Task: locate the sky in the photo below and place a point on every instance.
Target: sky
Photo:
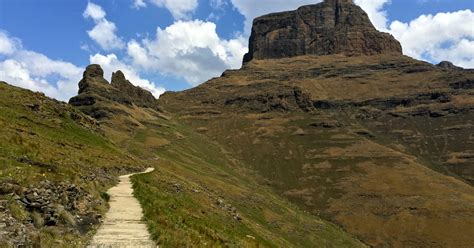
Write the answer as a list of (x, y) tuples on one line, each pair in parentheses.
[(172, 45)]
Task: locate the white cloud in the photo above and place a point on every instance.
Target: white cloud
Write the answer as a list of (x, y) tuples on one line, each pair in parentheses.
[(137, 4), (375, 11), (444, 36), (94, 11), (104, 31), (110, 63), (104, 34), (188, 49), (37, 72), (56, 78), (8, 45), (180, 9)]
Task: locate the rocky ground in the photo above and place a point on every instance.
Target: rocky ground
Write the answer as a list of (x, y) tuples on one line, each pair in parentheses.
[(28, 209)]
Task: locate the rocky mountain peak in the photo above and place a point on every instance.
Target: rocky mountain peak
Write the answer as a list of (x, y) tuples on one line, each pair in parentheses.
[(93, 76), (93, 71), (330, 27), (117, 77), (94, 89)]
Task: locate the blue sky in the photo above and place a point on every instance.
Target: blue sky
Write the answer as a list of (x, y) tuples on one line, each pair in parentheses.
[(177, 44)]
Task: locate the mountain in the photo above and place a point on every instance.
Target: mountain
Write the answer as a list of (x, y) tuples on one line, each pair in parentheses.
[(346, 127), (332, 27), (327, 136), (57, 162)]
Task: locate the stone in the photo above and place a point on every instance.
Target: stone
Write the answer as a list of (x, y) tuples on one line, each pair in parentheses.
[(93, 71), (331, 27), (237, 217), (6, 188)]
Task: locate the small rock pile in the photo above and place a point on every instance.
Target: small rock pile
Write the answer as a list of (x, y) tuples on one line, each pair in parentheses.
[(62, 205), (52, 201), (229, 208)]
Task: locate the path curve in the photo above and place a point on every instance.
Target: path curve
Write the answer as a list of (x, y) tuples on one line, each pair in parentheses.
[(123, 225)]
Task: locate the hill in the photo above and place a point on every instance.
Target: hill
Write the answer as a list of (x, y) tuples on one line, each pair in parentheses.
[(327, 136), (363, 136), (199, 194), (55, 164)]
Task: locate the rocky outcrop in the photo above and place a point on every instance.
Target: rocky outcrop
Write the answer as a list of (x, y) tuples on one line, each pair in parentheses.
[(97, 97), (446, 65), (268, 97), (331, 27), (93, 75), (131, 94)]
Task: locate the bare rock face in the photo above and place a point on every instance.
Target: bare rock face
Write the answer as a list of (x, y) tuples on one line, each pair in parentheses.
[(95, 92), (92, 75), (331, 27), (131, 93)]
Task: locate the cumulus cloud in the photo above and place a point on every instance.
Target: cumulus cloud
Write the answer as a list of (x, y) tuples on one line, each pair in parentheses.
[(110, 63), (57, 79), (138, 4), (104, 31), (37, 72), (180, 9), (94, 11), (8, 45), (375, 11), (444, 36), (188, 49)]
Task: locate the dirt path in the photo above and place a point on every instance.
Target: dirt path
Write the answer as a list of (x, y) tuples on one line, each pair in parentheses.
[(123, 225)]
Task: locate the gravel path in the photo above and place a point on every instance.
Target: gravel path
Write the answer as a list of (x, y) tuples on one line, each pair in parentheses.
[(123, 225)]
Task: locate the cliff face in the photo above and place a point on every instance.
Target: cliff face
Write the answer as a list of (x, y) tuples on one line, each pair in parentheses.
[(331, 27)]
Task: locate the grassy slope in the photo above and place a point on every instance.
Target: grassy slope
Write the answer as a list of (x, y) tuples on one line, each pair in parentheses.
[(199, 194), (42, 139), (377, 185), (199, 189)]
